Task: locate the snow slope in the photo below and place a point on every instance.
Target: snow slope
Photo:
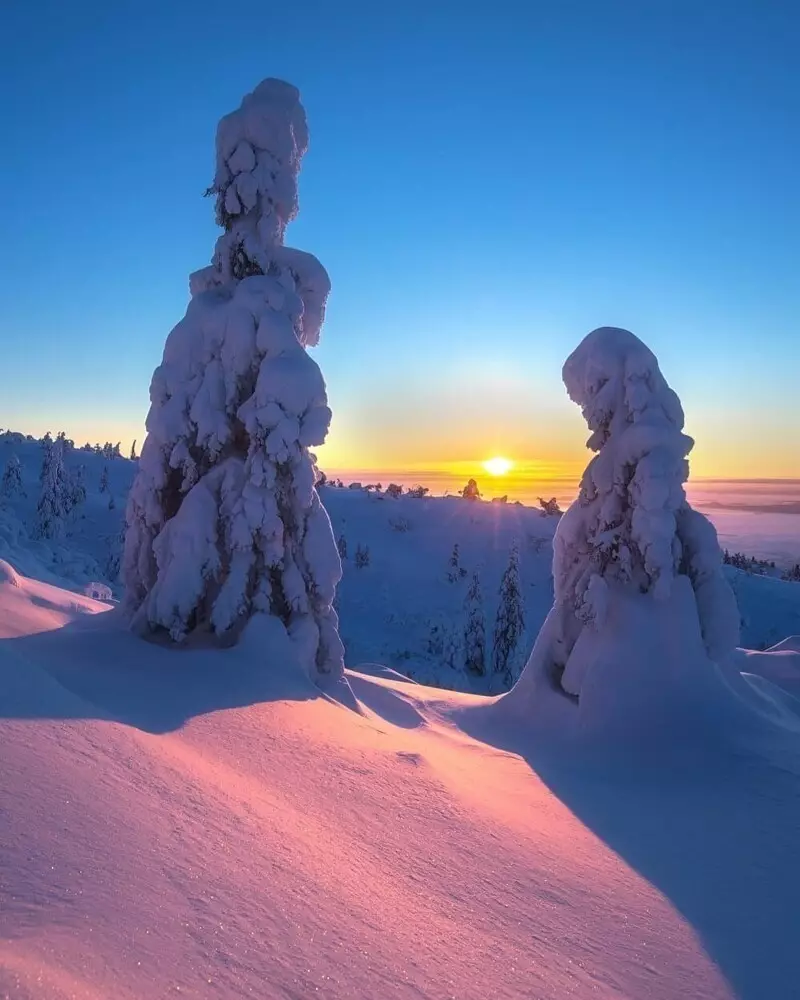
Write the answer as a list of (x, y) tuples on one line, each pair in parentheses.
[(389, 609), (203, 824)]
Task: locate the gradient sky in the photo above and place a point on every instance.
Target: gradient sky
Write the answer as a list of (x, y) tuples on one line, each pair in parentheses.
[(486, 183)]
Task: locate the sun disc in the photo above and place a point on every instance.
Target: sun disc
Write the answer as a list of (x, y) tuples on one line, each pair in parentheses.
[(497, 466)]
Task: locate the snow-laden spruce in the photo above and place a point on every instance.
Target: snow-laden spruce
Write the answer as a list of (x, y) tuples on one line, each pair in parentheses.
[(631, 535), (224, 520)]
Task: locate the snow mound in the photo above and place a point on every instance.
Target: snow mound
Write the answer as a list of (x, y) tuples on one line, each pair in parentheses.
[(8, 575)]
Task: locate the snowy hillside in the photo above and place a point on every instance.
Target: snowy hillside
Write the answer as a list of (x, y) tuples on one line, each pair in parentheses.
[(189, 824), (402, 608)]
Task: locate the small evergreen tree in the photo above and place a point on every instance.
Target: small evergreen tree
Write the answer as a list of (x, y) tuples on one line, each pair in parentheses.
[(54, 503), (133, 450), (453, 565), (104, 480), (76, 488), (510, 621), (111, 504), (362, 556), (550, 507), (12, 480), (475, 629), (393, 490), (341, 545), (471, 491)]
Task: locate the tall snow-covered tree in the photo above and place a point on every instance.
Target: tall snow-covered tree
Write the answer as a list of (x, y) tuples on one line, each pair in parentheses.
[(11, 484), (510, 620), (223, 518), (631, 543), (54, 503), (475, 629)]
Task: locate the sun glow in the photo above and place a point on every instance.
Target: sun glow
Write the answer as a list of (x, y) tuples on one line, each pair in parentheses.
[(498, 466)]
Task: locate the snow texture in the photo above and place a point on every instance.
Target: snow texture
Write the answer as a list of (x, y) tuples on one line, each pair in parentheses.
[(224, 521), (631, 529)]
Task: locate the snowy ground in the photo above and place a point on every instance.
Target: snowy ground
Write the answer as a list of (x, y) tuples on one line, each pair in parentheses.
[(191, 824), (394, 610), (205, 824)]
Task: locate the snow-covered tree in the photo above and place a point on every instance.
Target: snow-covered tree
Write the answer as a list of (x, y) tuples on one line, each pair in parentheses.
[(631, 536), (104, 480), (76, 488), (341, 546), (550, 507), (54, 501), (361, 559), (224, 521), (11, 484), (475, 629), (133, 451), (510, 620), (455, 571), (471, 491), (394, 490)]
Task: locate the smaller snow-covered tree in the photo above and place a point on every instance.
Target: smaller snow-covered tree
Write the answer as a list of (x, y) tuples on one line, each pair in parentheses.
[(471, 491), (53, 504), (393, 490), (793, 574), (362, 556), (550, 507), (341, 545), (418, 492), (510, 620), (133, 451), (104, 480), (116, 544), (475, 629), (11, 484), (111, 504), (455, 570), (76, 488)]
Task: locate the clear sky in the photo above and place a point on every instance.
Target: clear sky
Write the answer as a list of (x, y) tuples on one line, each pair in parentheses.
[(486, 183)]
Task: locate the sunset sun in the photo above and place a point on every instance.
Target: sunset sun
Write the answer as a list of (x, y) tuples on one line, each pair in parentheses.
[(497, 466)]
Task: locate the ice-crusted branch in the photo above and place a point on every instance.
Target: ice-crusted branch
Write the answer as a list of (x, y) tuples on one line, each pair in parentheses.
[(223, 519)]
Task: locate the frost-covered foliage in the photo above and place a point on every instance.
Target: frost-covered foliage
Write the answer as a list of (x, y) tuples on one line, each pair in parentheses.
[(394, 490), (510, 621), (11, 484), (631, 527), (475, 629), (224, 518)]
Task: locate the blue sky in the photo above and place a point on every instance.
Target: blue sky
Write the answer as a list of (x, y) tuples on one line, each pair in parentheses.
[(486, 183)]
